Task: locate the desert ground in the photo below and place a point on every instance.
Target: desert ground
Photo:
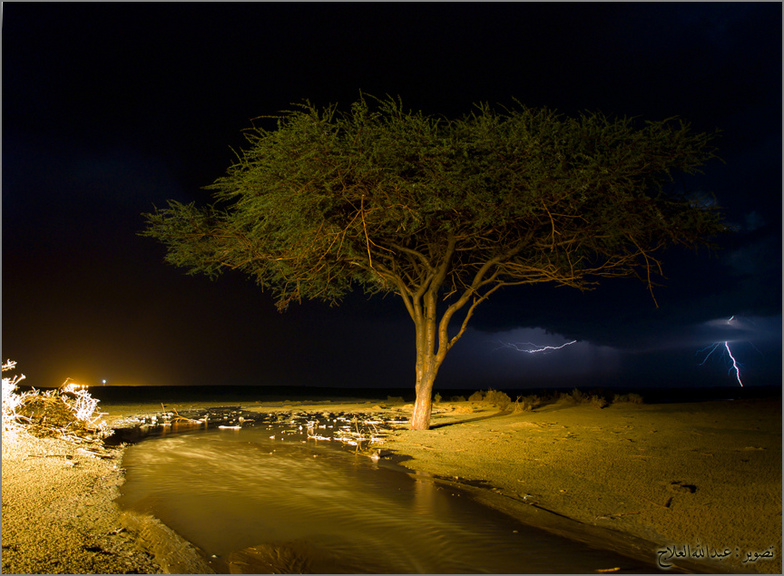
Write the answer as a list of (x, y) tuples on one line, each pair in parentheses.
[(642, 477), (692, 485)]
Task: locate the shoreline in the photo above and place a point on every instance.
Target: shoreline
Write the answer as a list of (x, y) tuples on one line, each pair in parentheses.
[(60, 515), (641, 477), (632, 478)]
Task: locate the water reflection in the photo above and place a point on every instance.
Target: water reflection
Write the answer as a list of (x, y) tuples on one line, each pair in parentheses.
[(255, 504), (424, 494)]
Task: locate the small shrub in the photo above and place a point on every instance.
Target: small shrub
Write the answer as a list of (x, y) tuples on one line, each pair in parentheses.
[(490, 396), (527, 403), (578, 396), (457, 399), (395, 400), (564, 398), (598, 401), (464, 409), (500, 399), (627, 399), (437, 398)]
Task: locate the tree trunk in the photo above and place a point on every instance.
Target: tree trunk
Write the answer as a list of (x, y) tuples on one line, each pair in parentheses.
[(427, 362), (420, 420)]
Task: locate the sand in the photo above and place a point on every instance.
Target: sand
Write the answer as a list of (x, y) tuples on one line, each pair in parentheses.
[(59, 515), (677, 482), (641, 477)]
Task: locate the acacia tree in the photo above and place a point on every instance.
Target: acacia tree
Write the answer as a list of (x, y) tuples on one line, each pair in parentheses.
[(442, 212)]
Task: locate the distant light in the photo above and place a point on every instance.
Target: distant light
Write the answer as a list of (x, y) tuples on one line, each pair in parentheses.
[(103, 381)]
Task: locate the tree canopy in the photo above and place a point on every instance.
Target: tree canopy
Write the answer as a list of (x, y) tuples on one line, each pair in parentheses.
[(443, 210)]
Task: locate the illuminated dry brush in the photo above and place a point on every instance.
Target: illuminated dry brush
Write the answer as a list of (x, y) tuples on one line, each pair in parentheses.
[(68, 412), (12, 400), (442, 212)]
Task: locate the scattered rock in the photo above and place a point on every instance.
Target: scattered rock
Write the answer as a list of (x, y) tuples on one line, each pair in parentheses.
[(678, 486)]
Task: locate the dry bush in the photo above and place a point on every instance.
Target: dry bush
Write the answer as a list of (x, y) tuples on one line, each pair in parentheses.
[(457, 399), (465, 409), (66, 412), (627, 399), (574, 397), (578, 397), (11, 400), (598, 401), (496, 397), (564, 398), (500, 399), (527, 403), (47, 415)]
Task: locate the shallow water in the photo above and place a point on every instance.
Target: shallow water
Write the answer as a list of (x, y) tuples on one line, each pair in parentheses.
[(255, 504)]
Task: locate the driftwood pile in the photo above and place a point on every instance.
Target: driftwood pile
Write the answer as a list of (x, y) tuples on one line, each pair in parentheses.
[(68, 412), (53, 414)]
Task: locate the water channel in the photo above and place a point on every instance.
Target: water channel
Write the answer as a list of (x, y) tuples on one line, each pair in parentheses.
[(264, 500)]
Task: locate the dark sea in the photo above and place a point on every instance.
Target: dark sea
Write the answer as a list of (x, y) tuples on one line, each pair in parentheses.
[(239, 394)]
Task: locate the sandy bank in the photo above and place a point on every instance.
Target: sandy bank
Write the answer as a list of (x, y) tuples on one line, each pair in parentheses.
[(59, 515), (640, 477)]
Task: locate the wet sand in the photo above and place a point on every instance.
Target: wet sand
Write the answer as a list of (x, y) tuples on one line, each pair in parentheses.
[(701, 478)]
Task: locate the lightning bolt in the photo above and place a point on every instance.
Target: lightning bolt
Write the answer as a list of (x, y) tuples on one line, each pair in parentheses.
[(734, 363), (728, 351), (531, 348)]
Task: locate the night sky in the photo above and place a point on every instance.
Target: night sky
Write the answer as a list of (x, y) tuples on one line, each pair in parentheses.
[(110, 109)]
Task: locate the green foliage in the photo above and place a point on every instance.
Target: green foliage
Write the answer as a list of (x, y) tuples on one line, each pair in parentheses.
[(384, 199), (442, 211)]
